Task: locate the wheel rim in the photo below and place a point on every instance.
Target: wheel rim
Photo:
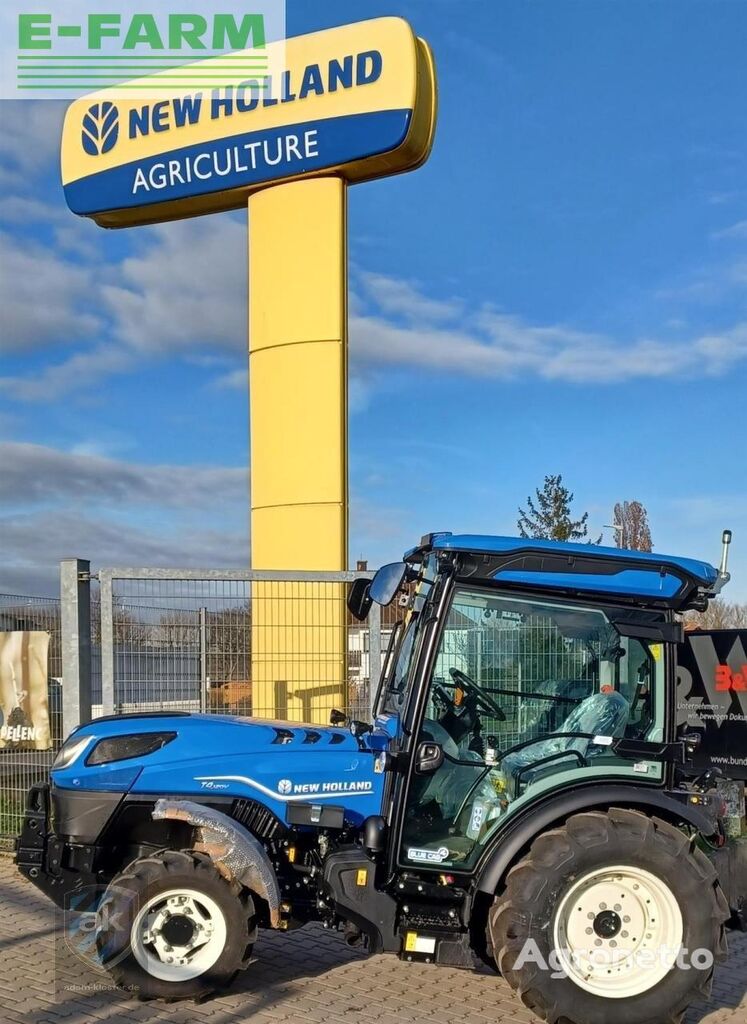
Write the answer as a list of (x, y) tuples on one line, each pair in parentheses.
[(178, 935), (618, 931)]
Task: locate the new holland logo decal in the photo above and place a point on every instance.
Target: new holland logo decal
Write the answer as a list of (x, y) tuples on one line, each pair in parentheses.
[(100, 128), (286, 789)]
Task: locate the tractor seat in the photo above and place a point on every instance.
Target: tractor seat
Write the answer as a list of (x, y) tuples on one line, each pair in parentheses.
[(602, 714)]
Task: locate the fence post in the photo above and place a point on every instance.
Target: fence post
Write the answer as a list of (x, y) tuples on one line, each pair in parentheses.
[(374, 652), (107, 642), (75, 626), (203, 659)]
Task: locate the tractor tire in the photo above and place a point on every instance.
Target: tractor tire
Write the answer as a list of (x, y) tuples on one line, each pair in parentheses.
[(588, 908), (170, 926)]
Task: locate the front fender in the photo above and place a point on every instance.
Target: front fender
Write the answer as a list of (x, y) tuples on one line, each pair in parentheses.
[(234, 851), (555, 809)]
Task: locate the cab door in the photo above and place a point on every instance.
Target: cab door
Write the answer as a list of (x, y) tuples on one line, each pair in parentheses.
[(524, 695)]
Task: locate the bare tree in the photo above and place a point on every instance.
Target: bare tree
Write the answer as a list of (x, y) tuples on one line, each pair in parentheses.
[(719, 615), (631, 526)]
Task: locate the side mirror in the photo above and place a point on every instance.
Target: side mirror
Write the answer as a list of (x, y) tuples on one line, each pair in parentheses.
[(428, 757), (386, 583), (359, 599)]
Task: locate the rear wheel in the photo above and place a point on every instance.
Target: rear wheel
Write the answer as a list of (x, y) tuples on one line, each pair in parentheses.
[(612, 919), (171, 926)]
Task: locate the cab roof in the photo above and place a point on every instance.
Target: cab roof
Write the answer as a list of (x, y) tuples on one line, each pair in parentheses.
[(580, 568)]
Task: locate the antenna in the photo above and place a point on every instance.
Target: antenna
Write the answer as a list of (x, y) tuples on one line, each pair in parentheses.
[(725, 542)]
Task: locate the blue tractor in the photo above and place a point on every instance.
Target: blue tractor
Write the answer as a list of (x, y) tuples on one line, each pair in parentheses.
[(520, 794)]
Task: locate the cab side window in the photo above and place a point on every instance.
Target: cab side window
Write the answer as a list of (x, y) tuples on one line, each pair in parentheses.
[(520, 691)]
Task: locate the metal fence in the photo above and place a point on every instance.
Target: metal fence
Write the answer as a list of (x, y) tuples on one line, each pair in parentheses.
[(265, 644)]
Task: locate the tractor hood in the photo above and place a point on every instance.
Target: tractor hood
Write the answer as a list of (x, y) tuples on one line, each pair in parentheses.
[(273, 763)]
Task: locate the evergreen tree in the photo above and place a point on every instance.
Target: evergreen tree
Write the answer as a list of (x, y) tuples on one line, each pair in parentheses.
[(549, 517)]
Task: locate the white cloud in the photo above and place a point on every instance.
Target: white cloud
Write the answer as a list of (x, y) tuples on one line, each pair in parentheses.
[(80, 372), (184, 289), (738, 230), (401, 298), (38, 542), (234, 380), (29, 139), (58, 504), (39, 475), (71, 234), (45, 298), (495, 344)]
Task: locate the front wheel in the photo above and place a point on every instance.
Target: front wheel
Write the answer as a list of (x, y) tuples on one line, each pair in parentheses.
[(170, 926), (612, 919)]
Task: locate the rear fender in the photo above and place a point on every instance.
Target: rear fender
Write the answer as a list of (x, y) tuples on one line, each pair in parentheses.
[(552, 812), (234, 851)]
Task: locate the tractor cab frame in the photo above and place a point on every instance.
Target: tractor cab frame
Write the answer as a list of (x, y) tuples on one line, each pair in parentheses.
[(523, 681)]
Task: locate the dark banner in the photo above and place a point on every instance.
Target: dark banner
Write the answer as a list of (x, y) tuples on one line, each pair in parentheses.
[(712, 697)]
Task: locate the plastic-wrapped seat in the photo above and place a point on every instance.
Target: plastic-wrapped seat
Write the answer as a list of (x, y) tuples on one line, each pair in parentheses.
[(602, 714)]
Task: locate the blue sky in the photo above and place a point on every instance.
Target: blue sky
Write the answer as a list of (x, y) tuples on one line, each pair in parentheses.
[(561, 288)]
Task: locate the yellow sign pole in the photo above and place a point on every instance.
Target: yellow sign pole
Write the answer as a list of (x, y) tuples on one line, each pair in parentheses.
[(337, 107), (298, 402)]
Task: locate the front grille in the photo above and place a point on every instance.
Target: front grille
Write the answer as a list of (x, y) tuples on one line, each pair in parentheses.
[(428, 918), (260, 822)]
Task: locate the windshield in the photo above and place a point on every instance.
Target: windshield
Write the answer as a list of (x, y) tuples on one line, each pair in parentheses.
[(538, 661), (394, 690), (402, 646)]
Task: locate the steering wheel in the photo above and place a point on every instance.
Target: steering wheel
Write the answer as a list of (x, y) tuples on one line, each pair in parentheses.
[(482, 701)]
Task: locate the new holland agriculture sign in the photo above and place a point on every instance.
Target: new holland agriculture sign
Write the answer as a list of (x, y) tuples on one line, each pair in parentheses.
[(358, 100)]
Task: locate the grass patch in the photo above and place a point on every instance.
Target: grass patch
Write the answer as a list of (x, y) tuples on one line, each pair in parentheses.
[(12, 807)]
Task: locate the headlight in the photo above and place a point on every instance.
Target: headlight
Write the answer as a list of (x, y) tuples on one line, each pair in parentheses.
[(69, 751), (120, 748)]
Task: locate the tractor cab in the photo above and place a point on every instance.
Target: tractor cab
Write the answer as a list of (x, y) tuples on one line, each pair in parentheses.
[(521, 669)]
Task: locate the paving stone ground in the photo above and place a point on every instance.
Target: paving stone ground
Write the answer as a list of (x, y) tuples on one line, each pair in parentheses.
[(307, 975)]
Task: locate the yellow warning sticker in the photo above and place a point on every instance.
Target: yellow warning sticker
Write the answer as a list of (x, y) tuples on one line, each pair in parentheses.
[(415, 943), (362, 876)]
